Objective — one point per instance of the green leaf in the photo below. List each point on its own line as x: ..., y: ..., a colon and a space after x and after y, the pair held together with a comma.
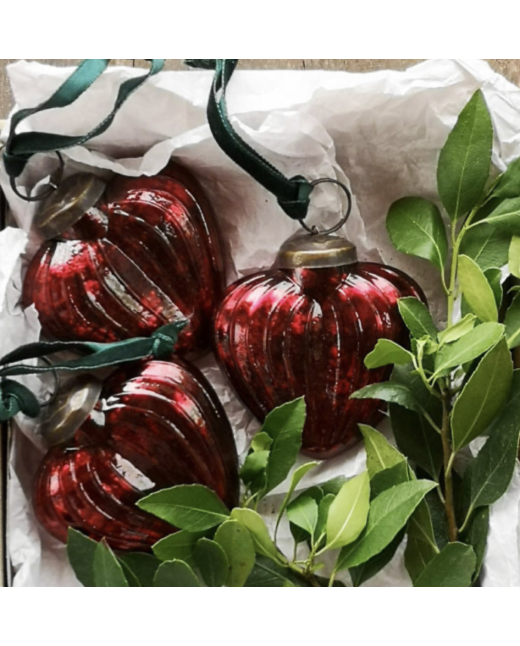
x: 389, y: 478
x: 476, y: 536
x: 389, y: 513
x: 323, y: 513
x: 299, y: 534
x: 469, y: 347
x: 387, y: 352
x: 453, y: 567
x: 303, y: 512
x: 389, y: 392
x: 142, y: 566
x: 508, y: 184
x: 416, y: 228
x: 465, y: 159
x: 267, y: 574
x: 253, y: 471
x: 417, y: 318
x: 512, y: 323
x: 514, y: 257
x: 487, y: 246
x: 460, y: 329
x: 261, y: 442
x: 421, y: 547
x: 483, y: 396
x: 192, y: 507
x: 212, y: 562
x: 81, y: 551
x: 414, y: 435
x: 370, y: 568
x: 108, y: 572
x: 381, y: 454
x: 285, y: 426
x: 348, y: 512
x: 333, y: 486
x: 438, y: 516
x: 259, y: 532
x: 476, y: 290
x: 505, y: 218
x: 494, y: 278
x: 489, y: 474
x: 175, y: 574
x: 238, y: 546
x: 297, y: 476
x: 177, y: 547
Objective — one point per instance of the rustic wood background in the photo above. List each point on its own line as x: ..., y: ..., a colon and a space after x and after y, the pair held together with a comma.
x: 509, y: 67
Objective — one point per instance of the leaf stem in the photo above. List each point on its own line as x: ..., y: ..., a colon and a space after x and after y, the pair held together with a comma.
x: 449, y: 504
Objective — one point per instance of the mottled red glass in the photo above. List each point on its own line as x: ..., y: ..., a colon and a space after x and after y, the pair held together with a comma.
x: 166, y: 421
x: 148, y: 254
x: 286, y: 333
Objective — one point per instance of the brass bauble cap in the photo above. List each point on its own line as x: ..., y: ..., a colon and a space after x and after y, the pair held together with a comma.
x: 68, y: 204
x: 316, y: 251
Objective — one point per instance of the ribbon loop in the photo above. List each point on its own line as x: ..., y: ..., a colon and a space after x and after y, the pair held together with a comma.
x: 21, y: 147
x: 15, y: 397
x: 293, y: 194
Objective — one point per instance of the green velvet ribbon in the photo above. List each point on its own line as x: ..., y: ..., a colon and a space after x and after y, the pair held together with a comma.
x: 15, y: 398
x: 293, y: 194
x: 21, y: 147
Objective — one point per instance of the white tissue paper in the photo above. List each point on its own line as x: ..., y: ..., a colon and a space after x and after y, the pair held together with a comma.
x: 381, y: 132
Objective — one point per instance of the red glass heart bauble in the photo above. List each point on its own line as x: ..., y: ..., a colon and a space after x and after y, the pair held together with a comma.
x: 156, y: 425
x: 303, y: 328
x: 148, y: 253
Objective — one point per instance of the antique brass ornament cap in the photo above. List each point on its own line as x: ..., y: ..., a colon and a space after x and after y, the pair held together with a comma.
x: 67, y: 204
x: 316, y: 251
x: 69, y: 409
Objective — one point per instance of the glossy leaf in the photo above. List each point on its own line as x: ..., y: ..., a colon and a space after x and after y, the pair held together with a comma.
x: 238, y: 546
x: 177, y: 547
x: 494, y: 278
x: 508, y: 184
x: 476, y: 290
x: 389, y: 478
x: 175, y: 574
x: 505, y: 218
x: 512, y: 323
x: 81, y: 551
x: 416, y: 228
x: 253, y: 471
x: 108, y: 572
x: 303, y: 512
x: 487, y: 246
x: 285, y: 426
x: 267, y: 574
x: 348, y: 512
x: 389, y: 392
x: 385, y: 353
x: 421, y: 547
x: 455, y: 332
x: 476, y: 535
x: 453, y: 567
x: 211, y: 562
x: 373, y: 566
x: 469, y: 347
x: 320, y: 533
x: 259, y: 532
x: 296, y: 478
x: 465, y: 159
x: 483, y: 396
x: 191, y: 507
x: 514, y: 257
x: 261, y: 442
x: 417, y: 318
x: 489, y: 474
x: 381, y: 454
x: 143, y: 566
x: 389, y: 513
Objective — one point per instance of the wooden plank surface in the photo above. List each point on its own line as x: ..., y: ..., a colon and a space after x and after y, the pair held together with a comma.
x: 509, y: 67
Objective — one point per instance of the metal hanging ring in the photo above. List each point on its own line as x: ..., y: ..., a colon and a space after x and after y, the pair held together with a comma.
x: 328, y: 180
x: 51, y: 186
